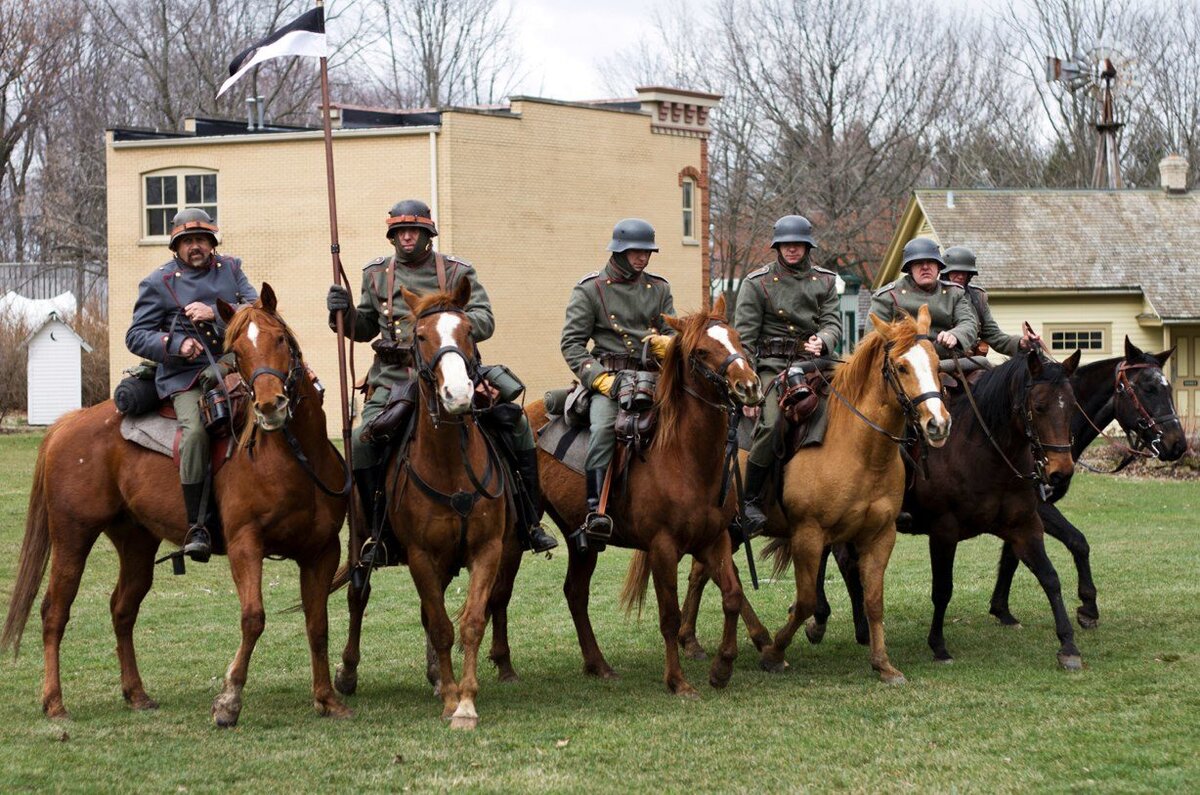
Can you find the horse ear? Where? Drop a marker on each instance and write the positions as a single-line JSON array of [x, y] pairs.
[[1162, 357], [1132, 352], [1034, 359], [225, 310], [266, 298], [462, 293], [719, 308], [1071, 362], [923, 319], [410, 297], [883, 328], [674, 323]]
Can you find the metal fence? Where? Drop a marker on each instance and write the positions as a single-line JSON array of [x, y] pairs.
[[86, 280]]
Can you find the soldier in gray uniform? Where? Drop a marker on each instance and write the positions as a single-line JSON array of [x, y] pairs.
[[786, 310], [960, 269], [615, 309], [953, 321], [382, 312], [174, 322]]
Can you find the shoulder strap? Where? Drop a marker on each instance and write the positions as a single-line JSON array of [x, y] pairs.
[[604, 307], [440, 262], [391, 294]]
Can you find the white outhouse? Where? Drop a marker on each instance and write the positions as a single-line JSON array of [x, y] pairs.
[[54, 370]]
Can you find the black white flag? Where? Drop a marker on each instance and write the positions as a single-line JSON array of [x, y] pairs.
[[303, 36]]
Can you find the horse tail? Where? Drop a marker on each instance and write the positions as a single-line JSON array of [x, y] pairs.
[[340, 579], [633, 594], [777, 549], [35, 554]]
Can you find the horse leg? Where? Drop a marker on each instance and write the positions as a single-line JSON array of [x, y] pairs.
[[316, 575], [1073, 539], [67, 559], [500, 654], [872, 563], [664, 567], [814, 627], [697, 579], [720, 563], [346, 680], [1004, 577], [136, 551], [806, 549], [245, 562], [484, 566], [1032, 552], [846, 556], [431, 586], [576, 588], [760, 636], [941, 562]]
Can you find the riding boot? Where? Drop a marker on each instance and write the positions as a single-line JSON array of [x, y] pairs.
[[757, 479], [535, 538], [197, 544], [597, 526], [369, 482]]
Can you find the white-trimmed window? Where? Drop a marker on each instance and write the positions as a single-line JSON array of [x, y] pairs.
[[688, 186], [1091, 338], [166, 192]]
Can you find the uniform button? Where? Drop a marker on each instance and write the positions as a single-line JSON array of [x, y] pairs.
[[218, 266], [902, 292], [177, 273], [613, 317], [791, 328], [812, 278], [943, 292], [781, 311], [608, 281], [775, 279]]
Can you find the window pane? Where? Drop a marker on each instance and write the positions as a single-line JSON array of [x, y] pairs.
[[153, 190], [208, 184], [687, 194], [191, 190], [156, 222], [170, 191], [687, 223], [211, 209]]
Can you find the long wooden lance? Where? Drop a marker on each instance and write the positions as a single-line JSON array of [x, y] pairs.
[[335, 252]]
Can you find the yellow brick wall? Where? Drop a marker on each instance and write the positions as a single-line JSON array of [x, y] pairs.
[[530, 201]]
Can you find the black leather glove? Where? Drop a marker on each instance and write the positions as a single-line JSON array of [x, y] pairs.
[[338, 299], [213, 375]]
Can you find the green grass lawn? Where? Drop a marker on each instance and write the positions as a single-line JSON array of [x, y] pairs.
[[1001, 718]]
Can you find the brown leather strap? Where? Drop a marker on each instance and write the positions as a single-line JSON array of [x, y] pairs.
[[440, 263], [615, 464], [391, 295], [409, 219]]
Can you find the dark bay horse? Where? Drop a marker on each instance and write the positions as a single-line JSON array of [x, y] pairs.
[[447, 504], [670, 506], [1132, 390], [89, 482]]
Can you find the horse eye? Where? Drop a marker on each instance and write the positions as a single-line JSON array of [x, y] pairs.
[[1040, 408], [903, 368]]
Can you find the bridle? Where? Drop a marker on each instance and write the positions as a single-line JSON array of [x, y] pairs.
[[427, 368], [1146, 422]]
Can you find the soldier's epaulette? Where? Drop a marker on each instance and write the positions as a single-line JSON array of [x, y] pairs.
[[232, 262], [458, 261], [589, 277], [886, 288], [754, 274], [826, 271], [373, 263], [977, 288], [655, 276], [948, 283]]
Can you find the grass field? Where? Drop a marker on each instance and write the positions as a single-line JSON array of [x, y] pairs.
[[1002, 718]]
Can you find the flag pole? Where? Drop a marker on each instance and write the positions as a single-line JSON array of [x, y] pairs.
[[335, 253]]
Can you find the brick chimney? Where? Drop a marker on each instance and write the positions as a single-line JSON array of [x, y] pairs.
[[1173, 171]]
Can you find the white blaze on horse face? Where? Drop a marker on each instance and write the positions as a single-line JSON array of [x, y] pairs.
[[252, 333], [721, 335], [456, 384], [926, 379]]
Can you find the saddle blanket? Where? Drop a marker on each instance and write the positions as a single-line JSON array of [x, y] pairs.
[[567, 444], [161, 434]]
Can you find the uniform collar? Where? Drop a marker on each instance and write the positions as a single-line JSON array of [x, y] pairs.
[[801, 268], [417, 263], [614, 273], [184, 267]]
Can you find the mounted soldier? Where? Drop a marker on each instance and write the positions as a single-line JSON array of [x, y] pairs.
[[786, 310], [382, 312], [175, 323], [954, 325], [960, 269], [617, 309]]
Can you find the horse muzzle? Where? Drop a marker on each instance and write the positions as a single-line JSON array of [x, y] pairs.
[[748, 391], [271, 415], [936, 430]]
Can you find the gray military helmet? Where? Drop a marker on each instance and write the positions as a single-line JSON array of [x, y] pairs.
[[192, 221], [921, 248], [960, 258], [793, 229], [410, 212], [632, 234]]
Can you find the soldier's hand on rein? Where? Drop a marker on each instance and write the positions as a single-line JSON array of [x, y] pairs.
[[191, 348], [814, 345], [199, 312], [947, 339], [338, 299], [658, 344], [604, 383]]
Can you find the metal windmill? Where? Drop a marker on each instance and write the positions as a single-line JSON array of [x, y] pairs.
[[1105, 72]]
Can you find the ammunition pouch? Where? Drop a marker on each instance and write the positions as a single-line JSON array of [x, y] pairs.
[[392, 420], [780, 348], [504, 381], [801, 388], [635, 389], [391, 352], [222, 409]]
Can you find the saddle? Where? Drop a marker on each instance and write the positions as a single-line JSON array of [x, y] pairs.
[[973, 368]]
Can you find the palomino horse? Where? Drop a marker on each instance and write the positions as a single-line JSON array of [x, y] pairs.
[[981, 483], [1133, 390], [89, 481], [446, 502], [670, 506]]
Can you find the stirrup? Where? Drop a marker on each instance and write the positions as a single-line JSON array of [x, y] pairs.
[[598, 526], [549, 542], [752, 526], [197, 545]]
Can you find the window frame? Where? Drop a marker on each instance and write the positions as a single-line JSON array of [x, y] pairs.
[[688, 188], [1104, 329], [180, 175]]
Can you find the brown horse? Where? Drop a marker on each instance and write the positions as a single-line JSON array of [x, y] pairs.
[[447, 506], [89, 481], [851, 487], [670, 505]]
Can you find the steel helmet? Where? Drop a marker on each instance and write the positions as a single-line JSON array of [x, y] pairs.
[[960, 258], [632, 234], [192, 221], [410, 212], [921, 248], [793, 229]]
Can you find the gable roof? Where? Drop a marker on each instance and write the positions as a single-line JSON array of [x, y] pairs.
[[54, 318], [1146, 240]]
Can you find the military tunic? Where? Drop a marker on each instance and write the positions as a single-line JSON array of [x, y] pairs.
[[615, 313], [160, 327], [776, 301], [989, 329], [949, 310]]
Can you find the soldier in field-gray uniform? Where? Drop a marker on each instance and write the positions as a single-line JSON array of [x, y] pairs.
[[175, 321], [953, 323], [960, 269]]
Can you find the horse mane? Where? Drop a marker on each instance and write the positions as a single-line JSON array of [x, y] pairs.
[[999, 391], [852, 378], [668, 394], [427, 301]]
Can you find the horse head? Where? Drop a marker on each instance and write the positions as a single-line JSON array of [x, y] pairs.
[[268, 357], [1044, 412], [911, 364], [712, 347], [1143, 406], [443, 348]]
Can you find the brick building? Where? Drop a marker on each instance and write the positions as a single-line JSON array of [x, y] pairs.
[[527, 192]]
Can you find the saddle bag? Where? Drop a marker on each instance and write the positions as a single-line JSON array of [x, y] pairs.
[[390, 352], [219, 412], [635, 390], [504, 381], [635, 428], [800, 394], [402, 400]]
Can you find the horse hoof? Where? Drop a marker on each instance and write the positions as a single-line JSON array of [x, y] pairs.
[[1070, 662], [143, 703], [894, 678], [1087, 620], [721, 673], [332, 708], [508, 677], [685, 690], [225, 710], [345, 681], [1006, 618], [772, 666], [693, 650], [602, 672], [57, 713], [464, 723], [814, 631], [943, 660]]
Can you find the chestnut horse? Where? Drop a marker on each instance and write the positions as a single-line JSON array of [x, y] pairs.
[[446, 503], [670, 506], [1132, 390], [850, 487], [89, 481]]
